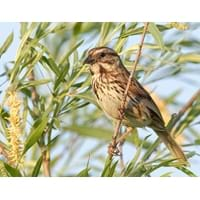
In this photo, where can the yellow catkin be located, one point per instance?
(3, 172)
(179, 26)
(14, 130)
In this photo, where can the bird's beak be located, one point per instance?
(88, 60)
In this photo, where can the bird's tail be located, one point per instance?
(173, 147)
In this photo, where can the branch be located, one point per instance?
(184, 109)
(116, 132)
(45, 151)
(189, 104)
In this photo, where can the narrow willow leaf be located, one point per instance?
(53, 141)
(51, 64)
(34, 83)
(41, 29)
(153, 29)
(189, 57)
(95, 132)
(37, 167)
(105, 28)
(109, 168)
(187, 171)
(167, 174)
(6, 44)
(151, 149)
(36, 132)
(60, 27)
(121, 41)
(66, 56)
(77, 28)
(134, 161)
(87, 96)
(137, 31)
(61, 77)
(12, 171)
(135, 138)
(75, 77)
(21, 52)
(89, 131)
(153, 168)
(106, 167)
(84, 173)
(23, 28)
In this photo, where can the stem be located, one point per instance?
(45, 150)
(121, 158)
(184, 109)
(188, 104)
(116, 132)
(46, 162)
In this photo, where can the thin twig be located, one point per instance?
(116, 132)
(45, 151)
(34, 94)
(189, 103)
(121, 157)
(182, 111)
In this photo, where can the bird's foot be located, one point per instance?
(113, 149)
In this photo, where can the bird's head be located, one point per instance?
(102, 60)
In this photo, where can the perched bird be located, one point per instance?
(109, 81)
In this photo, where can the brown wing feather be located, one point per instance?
(143, 101)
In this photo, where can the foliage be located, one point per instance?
(62, 128)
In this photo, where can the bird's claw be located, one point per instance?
(113, 150)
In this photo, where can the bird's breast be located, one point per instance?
(109, 96)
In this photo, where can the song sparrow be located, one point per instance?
(109, 81)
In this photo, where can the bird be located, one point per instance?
(109, 81)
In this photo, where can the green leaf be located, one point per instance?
(34, 83)
(153, 29)
(134, 161)
(61, 77)
(189, 57)
(166, 174)
(137, 31)
(41, 29)
(66, 56)
(77, 28)
(109, 168)
(84, 173)
(187, 171)
(23, 28)
(37, 131)
(135, 138)
(89, 131)
(51, 64)
(37, 167)
(12, 171)
(151, 149)
(21, 52)
(87, 96)
(75, 77)
(105, 28)
(6, 44)
(95, 132)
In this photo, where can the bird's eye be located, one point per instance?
(102, 55)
